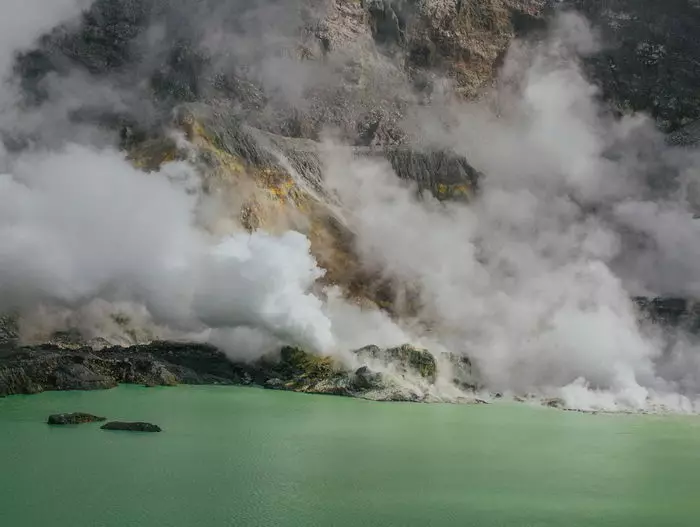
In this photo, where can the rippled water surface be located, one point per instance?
(244, 456)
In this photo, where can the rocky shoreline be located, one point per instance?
(35, 369)
(403, 373)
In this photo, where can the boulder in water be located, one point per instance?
(131, 427)
(75, 418)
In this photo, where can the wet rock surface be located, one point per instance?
(75, 418)
(131, 427)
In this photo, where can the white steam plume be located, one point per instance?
(529, 280)
(80, 224)
(24, 20)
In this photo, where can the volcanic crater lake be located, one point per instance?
(253, 457)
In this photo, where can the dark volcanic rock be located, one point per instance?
(649, 61)
(75, 418)
(35, 369)
(131, 427)
(366, 379)
(670, 312)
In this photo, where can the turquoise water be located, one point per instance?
(244, 456)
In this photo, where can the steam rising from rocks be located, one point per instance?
(80, 224)
(532, 280)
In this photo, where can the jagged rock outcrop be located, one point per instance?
(398, 367)
(647, 63)
(407, 358)
(458, 39)
(356, 57)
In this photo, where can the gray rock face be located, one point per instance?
(131, 427)
(649, 61)
(443, 173)
(366, 379)
(43, 368)
(671, 312)
(9, 333)
(74, 419)
(364, 60)
(407, 358)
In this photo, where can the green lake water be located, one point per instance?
(252, 457)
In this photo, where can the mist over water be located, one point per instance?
(578, 211)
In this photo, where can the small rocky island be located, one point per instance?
(75, 418)
(131, 427)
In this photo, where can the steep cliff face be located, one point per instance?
(650, 60)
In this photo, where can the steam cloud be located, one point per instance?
(532, 280)
(81, 224)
